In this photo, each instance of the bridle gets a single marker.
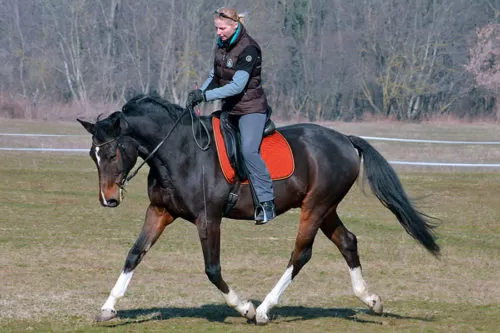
(122, 148)
(126, 178)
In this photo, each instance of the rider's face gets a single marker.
(225, 28)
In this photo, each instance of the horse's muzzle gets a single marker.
(112, 203)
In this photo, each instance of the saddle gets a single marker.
(274, 149)
(232, 141)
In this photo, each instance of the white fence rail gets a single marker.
(37, 135)
(369, 138)
(375, 138)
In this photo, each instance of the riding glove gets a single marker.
(194, 98)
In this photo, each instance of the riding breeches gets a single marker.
(251, 128)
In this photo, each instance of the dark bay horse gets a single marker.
(187, 182)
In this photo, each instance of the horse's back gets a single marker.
(320, 142)
(326, 166)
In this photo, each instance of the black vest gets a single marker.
(252, 99)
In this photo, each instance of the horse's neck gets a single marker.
(150, 132)
(156, 142)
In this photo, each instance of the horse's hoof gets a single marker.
(378, 305)
(105, 315)
(250, 313)
(261, 319)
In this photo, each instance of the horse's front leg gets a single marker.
(210, 242)
(155, 222)
(301, 254)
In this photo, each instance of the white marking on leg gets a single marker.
(241, 305)
(118, 290)
(358, 283)
(273, 297)
(360, 289)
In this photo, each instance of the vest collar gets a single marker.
(232, 41)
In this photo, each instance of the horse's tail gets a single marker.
(387, 187)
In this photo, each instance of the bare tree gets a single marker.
(485, 60)
(323, 59)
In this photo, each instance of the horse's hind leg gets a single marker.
(300, 256)
(156, 221)
(346, 241)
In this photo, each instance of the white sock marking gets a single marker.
(360, 289)
(118, 290)
(273, 297)
(233, 300)
(358, 283)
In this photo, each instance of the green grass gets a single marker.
(61, 254)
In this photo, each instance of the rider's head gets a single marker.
(226, 22)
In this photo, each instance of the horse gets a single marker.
(186, 182)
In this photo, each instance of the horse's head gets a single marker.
(114, 155)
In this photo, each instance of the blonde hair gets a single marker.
(229, 14)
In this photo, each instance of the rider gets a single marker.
(236, 80)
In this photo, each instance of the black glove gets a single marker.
(194, 98)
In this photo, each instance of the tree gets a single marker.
(322, 59)
(410, 56)
(485, 60)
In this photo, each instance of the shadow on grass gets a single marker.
(220, 312)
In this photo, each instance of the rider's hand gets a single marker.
(194, 98)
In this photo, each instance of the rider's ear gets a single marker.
(90, 127)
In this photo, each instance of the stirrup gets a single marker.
(264, 212)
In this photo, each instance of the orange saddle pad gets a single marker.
(274, 149)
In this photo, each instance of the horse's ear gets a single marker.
(90, 127)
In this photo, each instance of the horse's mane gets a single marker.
(139, 105)
(149, 106)
(143, 105)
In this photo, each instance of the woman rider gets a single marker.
(236, 80)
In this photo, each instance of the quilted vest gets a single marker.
(252, 99)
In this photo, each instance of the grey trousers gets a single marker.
(251, 128)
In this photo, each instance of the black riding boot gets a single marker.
(265, 212)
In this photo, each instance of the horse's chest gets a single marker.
(162, 195)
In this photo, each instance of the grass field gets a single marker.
(61, 252)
